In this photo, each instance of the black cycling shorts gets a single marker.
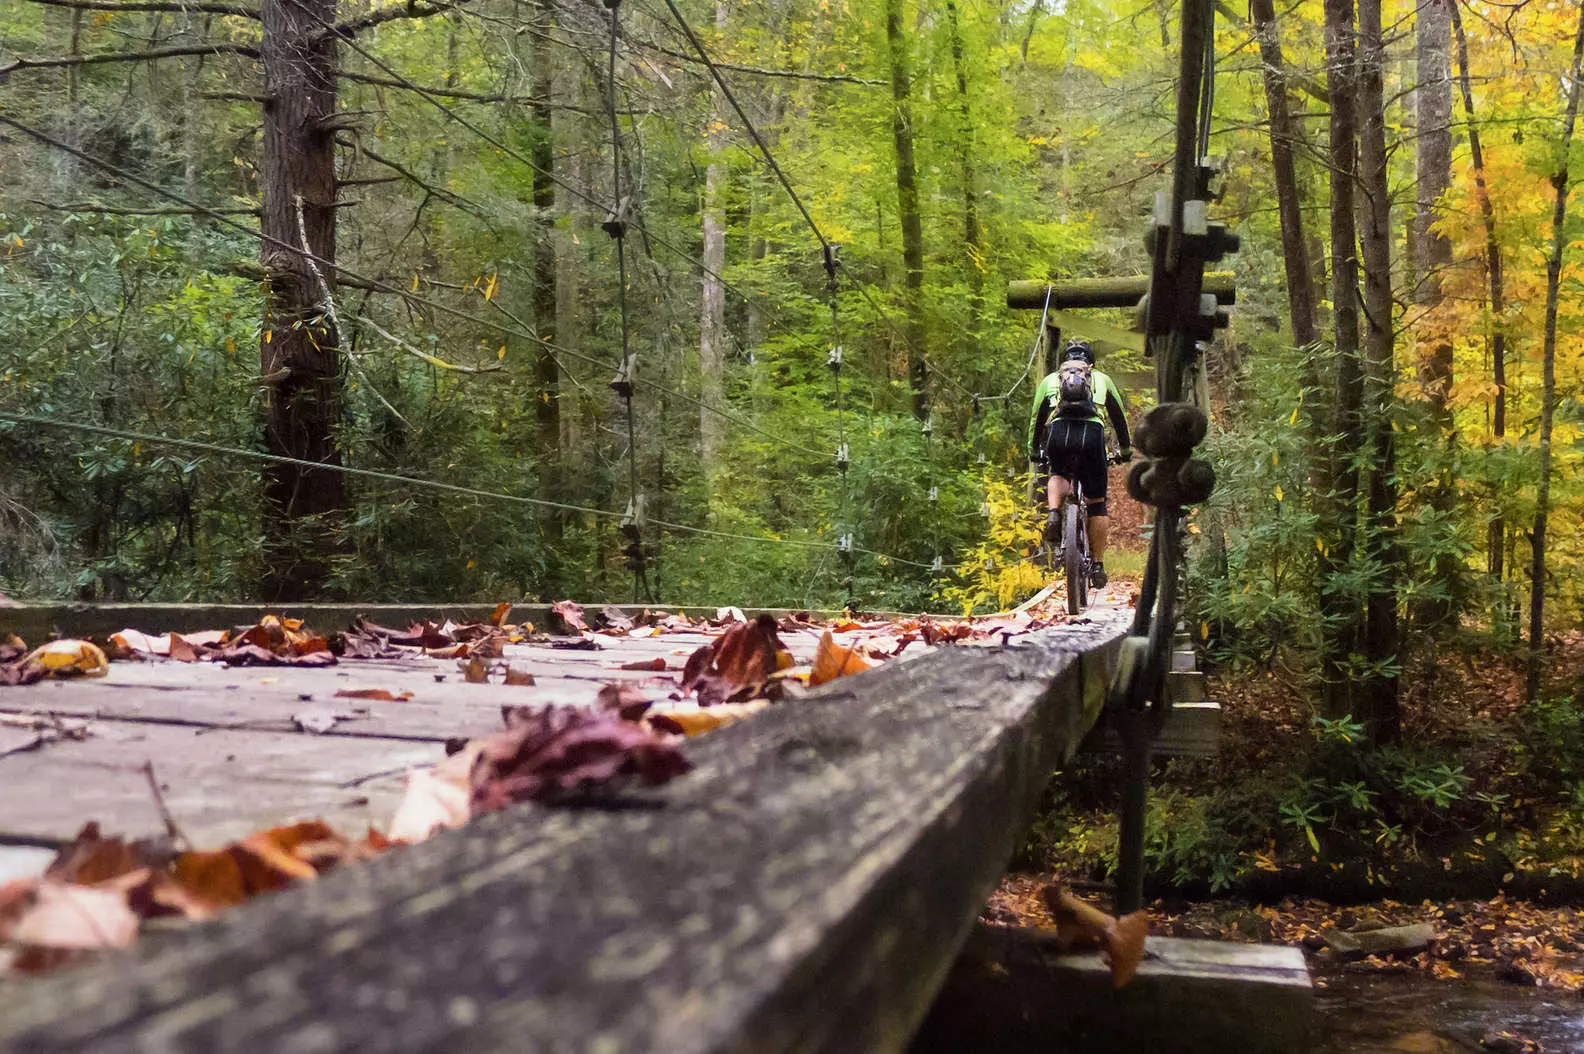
(1076, 449)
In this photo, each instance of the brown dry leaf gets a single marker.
(269, 858)
(832, 661)
(16, 896)
(67, 916)
(570, 614)
(616, 619)
(180, 649)
(204, 883)
(519, 677)
(656, 664)
(383, 695)
(729, 615)
(91, 858)
(489, 648)
(498, 616)
(626, 698)
(475, 670)
(696, 722)
(1125, 946)
(547, 753)
(70, 658)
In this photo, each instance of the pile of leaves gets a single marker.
(1520, 942)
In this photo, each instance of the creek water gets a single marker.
(1380, 1013)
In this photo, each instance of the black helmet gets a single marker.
(1078, 349)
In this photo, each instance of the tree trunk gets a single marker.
(1434, 163)
(908, 208)
(1559, 182)
(712, 314)
(570, 320)
(1497, 540)
(1283, 133)
(1340, 508)
(968, 170)
(547, 371)
(299, 349)
(1380, 624)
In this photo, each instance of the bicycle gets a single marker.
(1072, 528)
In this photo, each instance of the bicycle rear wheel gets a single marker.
(1073, 558)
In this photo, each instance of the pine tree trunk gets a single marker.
(1339, 519)
(908, 208)
(968, 169)
(1559, 181)
(1380, 625)
(547, 371)
(1283, 133)
(1496, 543)
(1433, 95)
(712, 314)
(299, 350)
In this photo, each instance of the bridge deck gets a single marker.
(804, 888)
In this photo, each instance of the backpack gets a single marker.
(1075, 389)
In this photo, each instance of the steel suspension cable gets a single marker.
(378, 285)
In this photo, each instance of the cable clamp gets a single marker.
(622, 383)
(929, 429)
(938, 565)
(934, 494)
(635, 516)
(616, 224)
(984, 509)
(832, 262)
(844, 544)
(834, 360)
(842, 459)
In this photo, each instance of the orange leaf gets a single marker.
(656, 663)
(498, 616)
(182, 651)
(832, 661)
(384, 695)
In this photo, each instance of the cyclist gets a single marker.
(1066, 435)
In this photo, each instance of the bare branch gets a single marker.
(208, 7)
(412, 9)
(57, 61)
(454, 93)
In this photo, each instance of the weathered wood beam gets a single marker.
(805, 888)
(1104, 292)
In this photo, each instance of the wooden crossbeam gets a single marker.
(1103, 292)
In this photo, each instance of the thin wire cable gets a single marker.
(698, 46)
(1039, 339)
(381, 286)
(523, 159)
(405, 480)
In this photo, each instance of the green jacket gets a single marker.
(1106, 394)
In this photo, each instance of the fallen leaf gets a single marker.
(656, 664)
(550, 752)
(91, 858)
(695, 722)
(136, 642)
(384, 695)
(475, 670)
(832, 661)
(436, 798)
(735, 664)
(727, 615)
(75, 917)
(316, 721)
(179, 649)
(498, 616)
(70, 658)
(616, 618)
(519, 677)
(625, 698)
(570, 614)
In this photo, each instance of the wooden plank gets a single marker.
(219, 785)
(1011, 994)
(804, 889)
